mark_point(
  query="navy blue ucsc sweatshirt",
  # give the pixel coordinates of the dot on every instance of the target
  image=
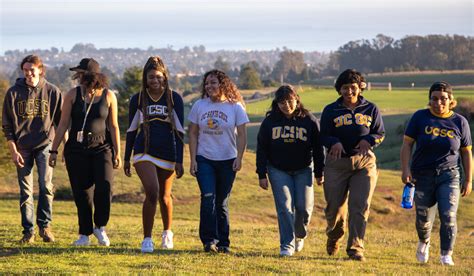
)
(289, 144)
(349, 127)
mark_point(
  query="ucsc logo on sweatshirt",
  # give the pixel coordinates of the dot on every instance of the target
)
(33, 108)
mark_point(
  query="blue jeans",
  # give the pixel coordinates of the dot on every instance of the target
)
(442, 188)
(293, 192)
(215, 179)
(25, 181)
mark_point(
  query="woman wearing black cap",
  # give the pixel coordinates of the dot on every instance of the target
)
(91, 111)
(442, 137)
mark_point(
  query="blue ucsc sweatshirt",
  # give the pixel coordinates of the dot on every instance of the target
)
(350, 126)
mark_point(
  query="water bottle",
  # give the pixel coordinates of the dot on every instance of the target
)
(408, 196)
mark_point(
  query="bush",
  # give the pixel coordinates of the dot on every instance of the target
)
(465, 107)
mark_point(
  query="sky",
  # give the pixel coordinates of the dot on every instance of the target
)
(316, 25)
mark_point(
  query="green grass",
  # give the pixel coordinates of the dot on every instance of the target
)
(420, 79)
(390, 239)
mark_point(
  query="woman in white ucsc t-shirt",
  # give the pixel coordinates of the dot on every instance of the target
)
(217, 141)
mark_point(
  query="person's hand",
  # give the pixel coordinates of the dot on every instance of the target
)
(363, 147)
(52, 159)
(17, 159)
(117, 162)
(407, 177)
(193, 168)
(466, 188)
(179, 170)
(263, 183)
(127, 168)
(336, 151)
(320, 180)
(237, 165)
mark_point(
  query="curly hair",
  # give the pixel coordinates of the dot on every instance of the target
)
(155, 63)
(349, 76)
(226, 87)
(36, 60)
(287, 92)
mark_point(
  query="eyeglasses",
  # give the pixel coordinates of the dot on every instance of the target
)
(436, 99)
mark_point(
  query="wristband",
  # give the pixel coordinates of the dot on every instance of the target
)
(53, 151)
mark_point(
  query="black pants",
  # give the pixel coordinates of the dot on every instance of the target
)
(91, 176)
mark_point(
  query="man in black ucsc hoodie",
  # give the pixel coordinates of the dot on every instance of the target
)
(30, 110)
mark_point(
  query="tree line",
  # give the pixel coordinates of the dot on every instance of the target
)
(411, 53)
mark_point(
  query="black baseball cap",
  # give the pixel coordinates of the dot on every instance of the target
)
(87, 64)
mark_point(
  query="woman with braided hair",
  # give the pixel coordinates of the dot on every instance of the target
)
(155, 135)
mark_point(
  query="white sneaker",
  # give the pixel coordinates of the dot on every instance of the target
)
(82, 241)
(286, 253)
(147, 245)
(423, 252)
(299, 244)
(100, 234)
(167, 239)
(446, 260)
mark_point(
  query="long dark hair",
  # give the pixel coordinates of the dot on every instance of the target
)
(155, 63)
(226, 87)
(286, 92)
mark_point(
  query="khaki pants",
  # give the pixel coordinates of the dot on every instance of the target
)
(349, 182)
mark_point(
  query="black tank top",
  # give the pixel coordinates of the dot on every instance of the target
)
(95, 129)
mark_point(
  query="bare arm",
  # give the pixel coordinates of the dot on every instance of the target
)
(405, 156)
(63, 124)
(241, 146)
(193, 144)
(114, 129)
(466, 159)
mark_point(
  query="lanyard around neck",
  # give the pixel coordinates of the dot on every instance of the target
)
(87, 110)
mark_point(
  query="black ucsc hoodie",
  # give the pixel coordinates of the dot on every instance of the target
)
(29, 113)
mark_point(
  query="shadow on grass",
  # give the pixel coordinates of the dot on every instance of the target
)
(61, 250)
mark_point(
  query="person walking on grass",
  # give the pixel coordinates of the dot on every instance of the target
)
(350, 128)
(443, 143)
(93, 150)
(288, 147)
(217, 142)
(31, 112)
(155, 135)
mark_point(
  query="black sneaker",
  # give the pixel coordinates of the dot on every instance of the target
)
(210, 247)
(223, 249)
(357, 257)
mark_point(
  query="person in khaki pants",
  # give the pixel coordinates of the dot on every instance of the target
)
(350, 128)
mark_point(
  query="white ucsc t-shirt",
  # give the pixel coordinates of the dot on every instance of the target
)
(217, 127)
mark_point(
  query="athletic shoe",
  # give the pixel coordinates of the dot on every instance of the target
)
(286, 253)
(46, 234)
(82, 241)
(28, 238)
(357, 256)
(167, 239)
(299, 243)
(147, 245)
(223, 249)
(446, 260)
(210, 248)
(423, 252)
(101, 236)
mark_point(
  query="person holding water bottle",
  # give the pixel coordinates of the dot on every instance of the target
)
(442, 138)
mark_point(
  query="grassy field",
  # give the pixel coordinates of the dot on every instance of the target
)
(419, 79)
(390, 239)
